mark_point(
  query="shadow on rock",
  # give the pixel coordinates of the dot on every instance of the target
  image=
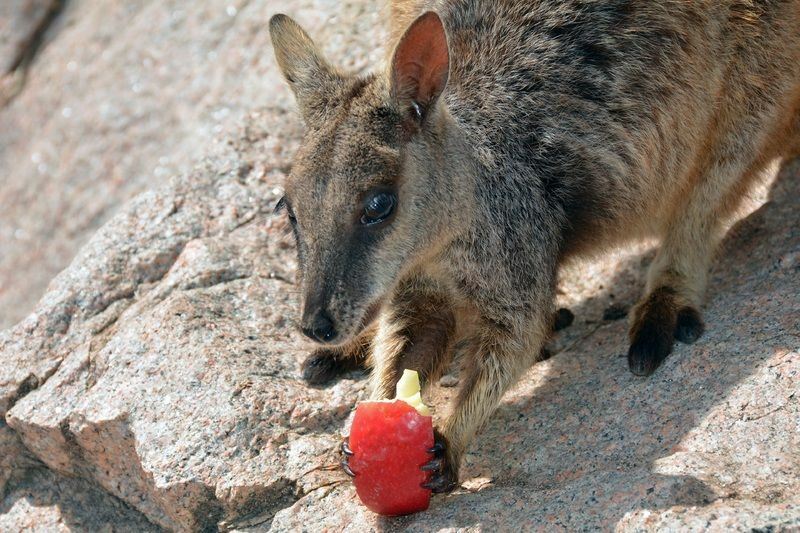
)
(45, 501)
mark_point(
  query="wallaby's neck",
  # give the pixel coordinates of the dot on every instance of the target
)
(454, 170)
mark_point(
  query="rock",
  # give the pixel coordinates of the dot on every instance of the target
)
(176, 260)
(144, 90)
(178, 390)
(581, 443)
(719, 516)
(13, 456)
(20, 23)
(44, 501)
(156, 384)
(189, 406)
(615, 311)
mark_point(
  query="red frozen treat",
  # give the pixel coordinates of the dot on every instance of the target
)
(390, 442)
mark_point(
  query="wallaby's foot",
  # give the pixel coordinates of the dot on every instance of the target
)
(324, 365)
(347, 453)
(444, 475)
(690, 325)
(657, 322)
(563, 319)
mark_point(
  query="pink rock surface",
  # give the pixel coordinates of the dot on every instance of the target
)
(123, 95)
(156, 384)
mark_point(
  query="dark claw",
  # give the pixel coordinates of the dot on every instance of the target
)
(437, 449)
(348, 453)
(346, 449)
(320, 367)
(347, 469)
(444, 481)
(433, 464)
(443, 478)
(563, 319)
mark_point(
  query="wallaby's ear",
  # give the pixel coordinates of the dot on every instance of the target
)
(302, 64)
(420, 66)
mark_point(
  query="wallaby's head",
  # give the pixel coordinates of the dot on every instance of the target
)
(362, 196)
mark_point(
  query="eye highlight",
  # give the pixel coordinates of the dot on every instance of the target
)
(378, 207)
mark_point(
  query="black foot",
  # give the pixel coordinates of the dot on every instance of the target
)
(648, 350)
(545, 353)
(324, 365)
(563, 319)
(444, 476)
(653, 332)
(690, 325)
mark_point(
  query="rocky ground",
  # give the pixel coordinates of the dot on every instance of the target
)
(155, 385)
(116, 97)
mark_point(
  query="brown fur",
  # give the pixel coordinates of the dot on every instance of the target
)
(555, 130)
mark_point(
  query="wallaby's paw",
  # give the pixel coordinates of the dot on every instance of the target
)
(444, 475)
(690, 325)
(323, 366)
(652, 332)
(563, 319)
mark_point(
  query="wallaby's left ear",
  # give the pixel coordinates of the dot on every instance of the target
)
(302, 64)
(421, 66)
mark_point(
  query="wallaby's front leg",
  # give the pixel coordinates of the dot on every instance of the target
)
(499, 358)
(414, 331)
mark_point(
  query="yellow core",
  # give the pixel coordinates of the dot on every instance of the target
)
(408, 391)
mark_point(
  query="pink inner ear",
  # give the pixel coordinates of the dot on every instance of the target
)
(422, 61)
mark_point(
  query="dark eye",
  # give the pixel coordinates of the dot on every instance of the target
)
(378, 208)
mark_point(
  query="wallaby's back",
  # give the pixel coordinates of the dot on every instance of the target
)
(618, 105)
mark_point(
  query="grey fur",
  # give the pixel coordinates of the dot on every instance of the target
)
(566, 127)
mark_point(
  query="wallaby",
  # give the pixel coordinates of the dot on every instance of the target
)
(433, 202)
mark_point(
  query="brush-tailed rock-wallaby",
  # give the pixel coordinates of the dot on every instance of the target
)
(433, 202)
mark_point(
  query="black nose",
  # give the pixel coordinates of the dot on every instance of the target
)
(319, 328)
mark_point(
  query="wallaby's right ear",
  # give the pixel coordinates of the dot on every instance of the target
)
(420, 67)
(309, 75)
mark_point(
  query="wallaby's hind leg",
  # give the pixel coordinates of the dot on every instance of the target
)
(326, 364)
(678, 276)
(670, 309)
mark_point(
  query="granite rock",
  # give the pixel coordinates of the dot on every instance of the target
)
(21, 21)
(119, 97)
(156, 383)
(188, 406)
(45, 501)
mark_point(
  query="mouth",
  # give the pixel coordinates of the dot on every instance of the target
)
(369, 317)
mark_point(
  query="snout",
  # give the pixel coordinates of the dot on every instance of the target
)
(318, 326)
